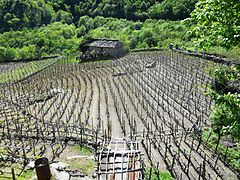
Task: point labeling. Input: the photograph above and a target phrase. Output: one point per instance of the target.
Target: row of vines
(155, 98)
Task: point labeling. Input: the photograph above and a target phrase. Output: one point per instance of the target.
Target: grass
(84, 150)
(232, 153)
(25, 70)
(1, 121)
(26, 175)
(70, 59)
(2, 150)
(155, 175)
(231, 54)
(87, 166)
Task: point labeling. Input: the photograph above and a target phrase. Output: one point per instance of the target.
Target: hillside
(120, 89)
(32, 29)
(17, 15)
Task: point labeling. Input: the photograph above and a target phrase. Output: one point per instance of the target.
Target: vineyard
(14, 72)
(154, 98)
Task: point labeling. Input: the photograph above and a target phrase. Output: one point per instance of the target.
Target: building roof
(104, 43)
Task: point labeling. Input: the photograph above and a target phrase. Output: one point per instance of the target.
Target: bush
(53, 39)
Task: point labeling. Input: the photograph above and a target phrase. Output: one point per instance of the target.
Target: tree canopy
(59, 37)
(16, 15)
(217, 23)
(225, 114)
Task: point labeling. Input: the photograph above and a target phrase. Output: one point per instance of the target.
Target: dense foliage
(135, 35)
(225, 114)
(137, 23)
(38, 28)
(56, 38)
(137, 9)
(217, 22)
(60, 38)
(18, 14)
(15, 15)
(230, 151)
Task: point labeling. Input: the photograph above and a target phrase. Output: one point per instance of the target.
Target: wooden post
(217, 160)
(200, 172)
(13, 174)
(204, 167)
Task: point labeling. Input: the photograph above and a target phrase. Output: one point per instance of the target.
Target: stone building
(102, 49)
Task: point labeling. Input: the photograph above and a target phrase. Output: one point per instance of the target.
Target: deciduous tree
(217, 22)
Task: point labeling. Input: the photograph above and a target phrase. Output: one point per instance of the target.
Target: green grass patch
(231, 155)
(84, 150)
(153, 174)
(84, 163)
(26, 175)
(25, 70)
(1, 121)
(69, 59)
(231, 54)
(3, 151)
(86, 166)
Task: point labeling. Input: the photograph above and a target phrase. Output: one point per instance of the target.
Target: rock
(31, 165)
(229, 144)
(64, 175)
(120, 74)
(34, 178)
(151, 65)
(59, 175)
(55, 173)
(77, 174)
(94, 175)
(59, 165)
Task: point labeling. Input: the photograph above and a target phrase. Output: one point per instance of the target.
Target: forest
(17, 15)
(53, 27)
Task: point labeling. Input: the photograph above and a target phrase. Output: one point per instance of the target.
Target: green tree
(11, 54)
(225, 114)
(217, 22)
(2, 53)
(64, 16)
